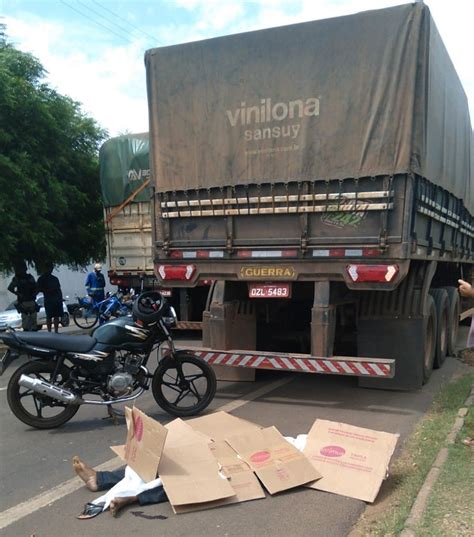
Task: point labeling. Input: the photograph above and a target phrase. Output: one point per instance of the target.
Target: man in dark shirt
(23, 285)
(53, 298)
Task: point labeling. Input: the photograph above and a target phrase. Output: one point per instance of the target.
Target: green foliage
(50, 203)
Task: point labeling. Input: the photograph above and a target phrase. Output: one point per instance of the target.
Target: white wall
(72, 283)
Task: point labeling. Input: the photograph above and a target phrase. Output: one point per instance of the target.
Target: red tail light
(176, 272)
(372, 273)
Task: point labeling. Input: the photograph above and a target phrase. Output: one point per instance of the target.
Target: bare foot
(85, 472)
(117, 503)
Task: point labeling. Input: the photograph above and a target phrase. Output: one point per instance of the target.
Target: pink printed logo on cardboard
(332, 451)
(138, 428)
(260, 456)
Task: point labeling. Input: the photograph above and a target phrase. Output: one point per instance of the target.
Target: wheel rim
(85, 318)
(39, 406)
(187, 392)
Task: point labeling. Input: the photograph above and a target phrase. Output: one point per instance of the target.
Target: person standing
(466, 289)
(53, 298)
(23, 285)
(95, 283)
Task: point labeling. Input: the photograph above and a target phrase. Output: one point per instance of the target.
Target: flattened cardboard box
(182, 434)
(237, 473)
(190, 475)
(352, 460)
(220, 425)
(278, 464)
(145, 442)
(241, 478)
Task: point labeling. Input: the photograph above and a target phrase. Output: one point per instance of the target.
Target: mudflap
(399, 339)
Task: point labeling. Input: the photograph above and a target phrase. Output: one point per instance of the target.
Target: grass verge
(387, 516)
(450, 509)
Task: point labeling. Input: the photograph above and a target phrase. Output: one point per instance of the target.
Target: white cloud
(109, 80)
(109, 84)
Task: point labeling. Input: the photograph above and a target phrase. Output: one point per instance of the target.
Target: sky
(93, 49)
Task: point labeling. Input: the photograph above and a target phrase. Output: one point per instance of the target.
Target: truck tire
(454, 310)
(441, 300)
(429, 338)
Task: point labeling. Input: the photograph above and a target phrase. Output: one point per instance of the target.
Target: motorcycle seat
(58, 342)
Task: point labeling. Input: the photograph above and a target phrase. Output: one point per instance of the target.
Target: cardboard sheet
(241, 478)
(278, 464)
(145, 442)
(352, 460)
(221, 425)
(182, 434)
(190, 475)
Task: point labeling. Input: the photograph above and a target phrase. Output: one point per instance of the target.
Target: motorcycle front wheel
(85, 317)
(34, 409)
(183, 385)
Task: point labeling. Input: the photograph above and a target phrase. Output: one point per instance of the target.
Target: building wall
(72, 283)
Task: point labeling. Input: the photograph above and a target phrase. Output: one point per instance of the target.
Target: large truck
(126, 193)
(320, 174)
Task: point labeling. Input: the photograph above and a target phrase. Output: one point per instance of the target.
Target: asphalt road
(34, 462)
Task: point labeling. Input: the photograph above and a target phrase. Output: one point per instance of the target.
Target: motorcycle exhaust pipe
(45, 388)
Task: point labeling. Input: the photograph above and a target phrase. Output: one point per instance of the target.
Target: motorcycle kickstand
(114, 415)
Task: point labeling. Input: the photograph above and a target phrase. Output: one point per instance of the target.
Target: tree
(50, 201)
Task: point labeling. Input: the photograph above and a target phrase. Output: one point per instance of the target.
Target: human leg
(106, 480)
(152, 496)
(94, 480)
(148, 497)
(28, 322)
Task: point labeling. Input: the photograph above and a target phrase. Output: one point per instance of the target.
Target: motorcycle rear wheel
(23, 402)
(85, 318)
(187, 395)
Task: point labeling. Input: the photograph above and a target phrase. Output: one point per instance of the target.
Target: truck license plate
(166, 292)
(274, 290)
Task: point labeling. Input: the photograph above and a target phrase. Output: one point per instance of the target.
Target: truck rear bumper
(303, 363)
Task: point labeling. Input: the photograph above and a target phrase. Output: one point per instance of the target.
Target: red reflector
(372, 273)
(176, 272)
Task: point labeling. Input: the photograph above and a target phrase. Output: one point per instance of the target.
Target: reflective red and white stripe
(347, 252)
(188, 325)
(196, 254)
(284, 253)
(337, 365)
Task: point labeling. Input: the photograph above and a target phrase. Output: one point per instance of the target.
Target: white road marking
(17, 512)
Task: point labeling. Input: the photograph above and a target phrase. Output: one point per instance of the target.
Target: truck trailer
(126, 194)
(320, 175)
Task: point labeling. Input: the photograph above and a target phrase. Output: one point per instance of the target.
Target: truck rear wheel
(454, 310)
(429, 338)
(440, 297)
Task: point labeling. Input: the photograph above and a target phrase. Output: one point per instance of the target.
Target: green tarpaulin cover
(124, 166)
(369, 94)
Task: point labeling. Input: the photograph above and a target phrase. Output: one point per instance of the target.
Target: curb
(421, 501)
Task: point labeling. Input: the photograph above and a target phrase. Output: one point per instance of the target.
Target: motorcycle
(87, 312)
(108, 367)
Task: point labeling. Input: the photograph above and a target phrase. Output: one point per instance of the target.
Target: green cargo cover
(358, 96)
(124, 166)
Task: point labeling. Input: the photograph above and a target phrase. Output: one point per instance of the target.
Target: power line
(127, 22)
(104, 17)
(96, 22)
